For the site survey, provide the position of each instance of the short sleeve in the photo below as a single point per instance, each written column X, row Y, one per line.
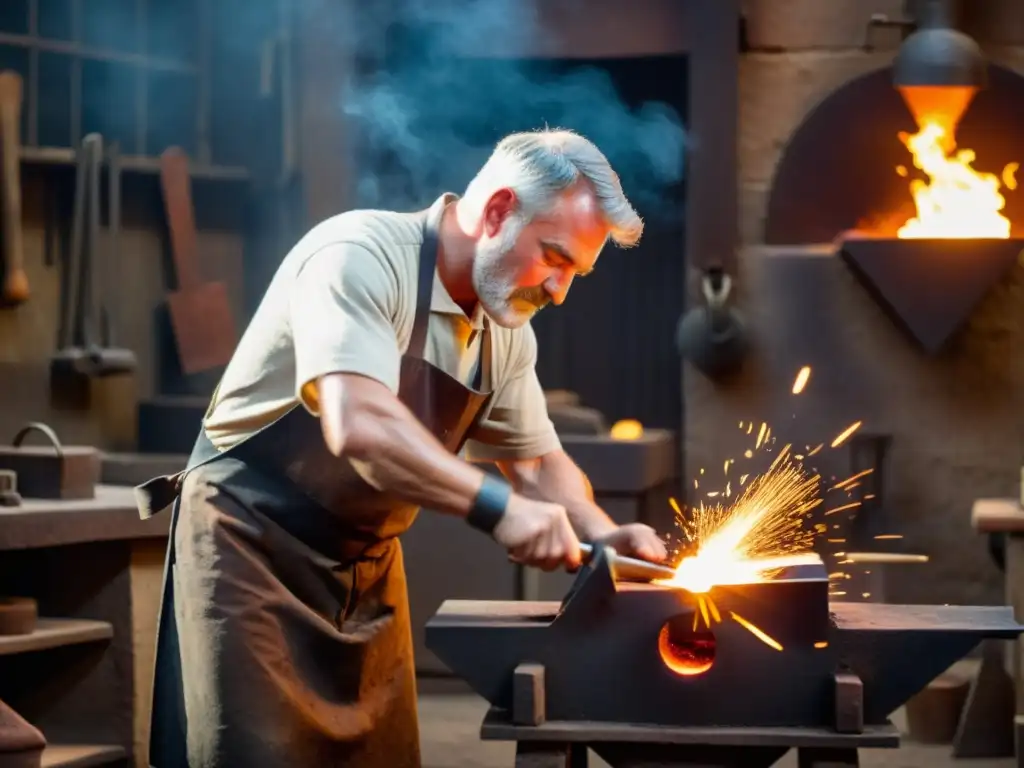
column 342, row 306
column 516, row 425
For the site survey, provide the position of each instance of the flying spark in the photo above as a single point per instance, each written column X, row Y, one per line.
column 845, row 434
column 802, row 378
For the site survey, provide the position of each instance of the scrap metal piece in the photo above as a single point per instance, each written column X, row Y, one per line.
column 614, row 651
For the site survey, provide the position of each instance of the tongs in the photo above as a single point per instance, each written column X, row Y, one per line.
column 628, row 568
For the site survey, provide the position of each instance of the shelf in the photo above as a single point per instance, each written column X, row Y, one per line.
column 54, row 633
column 80, row 755
column 98, row 54
column 129, row 163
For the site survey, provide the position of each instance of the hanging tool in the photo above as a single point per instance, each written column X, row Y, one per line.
column 201, row 318
column 14, row 289
column 112, row 262
column 83, row 351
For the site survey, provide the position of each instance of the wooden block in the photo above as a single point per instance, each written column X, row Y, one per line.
column 528, row 694
column 849, row 703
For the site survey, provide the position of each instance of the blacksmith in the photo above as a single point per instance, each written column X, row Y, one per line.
column 385, row 344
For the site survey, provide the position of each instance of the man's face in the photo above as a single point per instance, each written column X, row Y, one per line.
column 519, row 267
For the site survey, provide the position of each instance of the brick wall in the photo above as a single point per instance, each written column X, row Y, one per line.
column 957, row 419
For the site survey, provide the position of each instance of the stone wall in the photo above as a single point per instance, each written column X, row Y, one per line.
column 957, row 419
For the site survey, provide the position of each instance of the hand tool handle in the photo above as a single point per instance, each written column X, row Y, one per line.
column 630, row 567
column 109, row 299
column 177, row 188
column 15, row 289
column 71, row 323
column 91, row 276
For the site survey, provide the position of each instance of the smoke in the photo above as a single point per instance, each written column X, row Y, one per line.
column 428, row 116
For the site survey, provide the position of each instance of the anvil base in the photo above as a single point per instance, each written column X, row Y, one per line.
column 561, row 744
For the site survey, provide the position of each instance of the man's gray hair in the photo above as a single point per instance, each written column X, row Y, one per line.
column 540, row 165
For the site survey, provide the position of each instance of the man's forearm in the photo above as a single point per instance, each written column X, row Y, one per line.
column 390, row 447
column 555, row 477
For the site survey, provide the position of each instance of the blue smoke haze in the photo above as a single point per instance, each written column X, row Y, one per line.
column 428, row 118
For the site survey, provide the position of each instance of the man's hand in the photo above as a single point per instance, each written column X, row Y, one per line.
column 538, row 533
column 636, row 540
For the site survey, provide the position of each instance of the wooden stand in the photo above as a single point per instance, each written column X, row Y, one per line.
column 92, row 566
column 564, row 745
column 541, row 743
column 987, row 707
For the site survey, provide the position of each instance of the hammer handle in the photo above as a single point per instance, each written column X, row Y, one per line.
column 630, row 567
column 15, row 288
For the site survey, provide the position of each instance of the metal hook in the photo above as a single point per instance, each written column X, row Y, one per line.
column 716, row 287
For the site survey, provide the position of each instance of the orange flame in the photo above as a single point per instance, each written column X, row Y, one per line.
column 956, row 201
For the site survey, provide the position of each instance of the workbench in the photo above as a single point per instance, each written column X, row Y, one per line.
column 989, row 705
column 84, row 676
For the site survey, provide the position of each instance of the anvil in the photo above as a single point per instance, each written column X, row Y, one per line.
column 603, row 662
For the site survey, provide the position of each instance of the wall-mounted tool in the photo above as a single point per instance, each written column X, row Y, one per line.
column 201, row 318
column 713, row 336
column 84, row 349
column 15, row 289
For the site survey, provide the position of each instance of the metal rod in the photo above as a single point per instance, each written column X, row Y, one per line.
column 205, row 37
column 936, row 14
column 32, row 96
column 141, row 80
column 289, row 161
column 88, row 52
column 76, row 72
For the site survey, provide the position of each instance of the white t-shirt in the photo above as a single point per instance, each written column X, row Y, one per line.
column 343, row 300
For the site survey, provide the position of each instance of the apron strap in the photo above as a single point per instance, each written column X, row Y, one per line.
column 425, row 280
column 425, row 293
column 483, row 366
column 158, row 493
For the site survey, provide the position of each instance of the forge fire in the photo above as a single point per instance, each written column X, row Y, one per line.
column 952, row 199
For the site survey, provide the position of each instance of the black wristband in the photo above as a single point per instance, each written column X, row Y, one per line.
column 489, row 506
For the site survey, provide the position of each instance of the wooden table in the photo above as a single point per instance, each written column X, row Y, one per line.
column 84, row 676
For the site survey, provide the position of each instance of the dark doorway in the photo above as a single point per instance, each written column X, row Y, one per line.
column 613, row 339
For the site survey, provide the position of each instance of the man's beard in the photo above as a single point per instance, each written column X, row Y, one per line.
column 494, row 281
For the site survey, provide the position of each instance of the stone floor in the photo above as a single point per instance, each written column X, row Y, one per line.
column 450, row 723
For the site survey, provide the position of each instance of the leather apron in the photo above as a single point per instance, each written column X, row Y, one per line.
column 284, row 637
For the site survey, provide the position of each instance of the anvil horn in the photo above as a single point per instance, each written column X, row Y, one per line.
column 896, row 650
column 482, row 645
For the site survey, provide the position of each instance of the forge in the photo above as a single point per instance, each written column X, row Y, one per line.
column 635, row 671
column 930, row 286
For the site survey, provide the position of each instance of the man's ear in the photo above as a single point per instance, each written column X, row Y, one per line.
column 497, row 209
